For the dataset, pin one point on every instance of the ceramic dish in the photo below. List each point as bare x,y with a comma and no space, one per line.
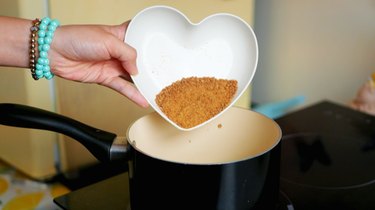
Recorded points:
170,47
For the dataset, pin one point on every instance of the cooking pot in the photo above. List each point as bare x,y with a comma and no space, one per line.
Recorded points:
225,164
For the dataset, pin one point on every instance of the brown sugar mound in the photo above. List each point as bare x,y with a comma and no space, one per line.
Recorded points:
194,100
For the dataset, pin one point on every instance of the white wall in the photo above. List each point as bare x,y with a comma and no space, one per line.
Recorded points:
323,49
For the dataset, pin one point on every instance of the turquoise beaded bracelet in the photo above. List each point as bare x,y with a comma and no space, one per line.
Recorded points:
46,31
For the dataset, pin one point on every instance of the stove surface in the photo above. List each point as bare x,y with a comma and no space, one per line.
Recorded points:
328,154
327,162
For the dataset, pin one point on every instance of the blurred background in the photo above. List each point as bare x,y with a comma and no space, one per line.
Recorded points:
319,49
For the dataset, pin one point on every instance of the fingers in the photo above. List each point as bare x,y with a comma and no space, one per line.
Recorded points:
127,89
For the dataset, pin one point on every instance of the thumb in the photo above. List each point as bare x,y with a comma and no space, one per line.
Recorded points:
124,53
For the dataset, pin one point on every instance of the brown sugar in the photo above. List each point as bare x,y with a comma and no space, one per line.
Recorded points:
191,101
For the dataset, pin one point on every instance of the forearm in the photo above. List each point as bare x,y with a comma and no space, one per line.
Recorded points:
15,42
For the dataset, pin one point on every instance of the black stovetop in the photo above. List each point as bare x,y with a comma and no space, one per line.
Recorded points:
327,162
328,158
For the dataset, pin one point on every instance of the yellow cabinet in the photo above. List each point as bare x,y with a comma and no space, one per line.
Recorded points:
93,104
31,151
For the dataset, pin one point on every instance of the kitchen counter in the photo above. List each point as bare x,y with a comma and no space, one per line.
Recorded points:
18,191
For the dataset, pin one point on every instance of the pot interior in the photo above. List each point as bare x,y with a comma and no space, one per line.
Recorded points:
238,134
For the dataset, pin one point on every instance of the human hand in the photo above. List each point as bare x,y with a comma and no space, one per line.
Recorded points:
365,98
96,54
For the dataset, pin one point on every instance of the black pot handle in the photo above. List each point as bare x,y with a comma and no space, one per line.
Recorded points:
98,142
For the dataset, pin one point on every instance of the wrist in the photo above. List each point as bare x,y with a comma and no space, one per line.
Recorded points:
15,38
47,28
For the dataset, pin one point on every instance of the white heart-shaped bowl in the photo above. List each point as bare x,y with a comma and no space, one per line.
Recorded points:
170,47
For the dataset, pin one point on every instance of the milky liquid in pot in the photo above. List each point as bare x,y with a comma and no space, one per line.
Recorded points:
236,135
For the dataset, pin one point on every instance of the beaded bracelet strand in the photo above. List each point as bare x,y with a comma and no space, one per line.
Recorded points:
46,32
34,29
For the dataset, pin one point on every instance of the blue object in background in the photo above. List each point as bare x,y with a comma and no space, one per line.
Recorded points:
277,109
